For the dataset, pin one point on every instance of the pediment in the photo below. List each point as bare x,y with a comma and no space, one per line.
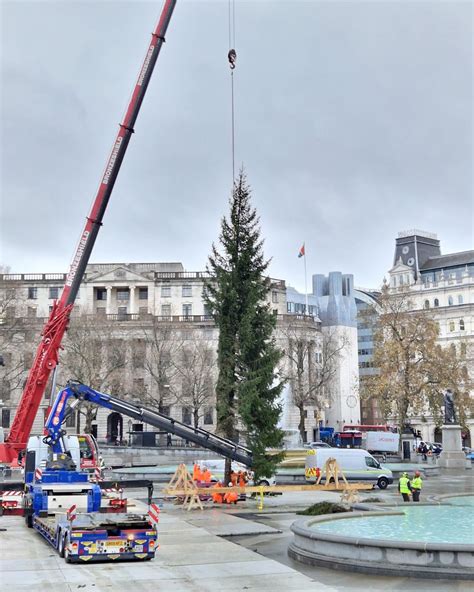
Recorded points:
119,274
400,267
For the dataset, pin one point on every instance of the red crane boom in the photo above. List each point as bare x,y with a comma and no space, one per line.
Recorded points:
47,353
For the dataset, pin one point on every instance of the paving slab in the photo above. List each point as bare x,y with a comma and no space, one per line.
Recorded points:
224,524
190,558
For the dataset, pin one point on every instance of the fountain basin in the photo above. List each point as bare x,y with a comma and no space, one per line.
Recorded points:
384,542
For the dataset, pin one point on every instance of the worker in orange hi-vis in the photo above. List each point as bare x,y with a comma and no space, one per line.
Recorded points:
231,497
241,479
233,478
196,472
218,498
206,475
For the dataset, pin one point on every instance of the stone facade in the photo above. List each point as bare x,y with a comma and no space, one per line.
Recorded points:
443,284
128,312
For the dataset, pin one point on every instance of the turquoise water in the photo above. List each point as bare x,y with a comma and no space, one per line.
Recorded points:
462,500
424,524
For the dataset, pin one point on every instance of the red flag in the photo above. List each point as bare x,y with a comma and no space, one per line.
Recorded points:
301,253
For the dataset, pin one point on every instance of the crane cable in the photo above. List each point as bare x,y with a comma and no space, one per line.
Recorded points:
232,57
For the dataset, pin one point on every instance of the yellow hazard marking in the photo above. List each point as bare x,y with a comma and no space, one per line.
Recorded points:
310,452
85,557
141,555
116,556
76,535
140,541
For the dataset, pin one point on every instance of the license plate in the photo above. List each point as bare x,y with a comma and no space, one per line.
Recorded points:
138,548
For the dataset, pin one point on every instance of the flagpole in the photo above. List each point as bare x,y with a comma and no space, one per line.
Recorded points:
305,282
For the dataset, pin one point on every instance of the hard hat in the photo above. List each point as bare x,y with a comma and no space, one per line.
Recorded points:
405,474
230,484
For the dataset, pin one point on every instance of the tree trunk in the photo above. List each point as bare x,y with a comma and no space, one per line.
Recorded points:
196,417
301,424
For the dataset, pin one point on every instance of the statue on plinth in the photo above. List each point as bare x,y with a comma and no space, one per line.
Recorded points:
449,413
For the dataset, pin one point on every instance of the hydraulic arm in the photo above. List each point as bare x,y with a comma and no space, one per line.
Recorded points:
47,353
74,393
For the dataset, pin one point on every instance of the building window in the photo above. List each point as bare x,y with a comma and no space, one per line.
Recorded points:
123,294
50,308
32,293
187,310
165,410
461,325
460,299
122,313
143,310
100,294
166,310
436,302
207,312
53,293
208,416
452,326
31,312
100,311
5,418
450,300
166,291
289,307
427,303
275,297
142,293
187,291
186,415
400,280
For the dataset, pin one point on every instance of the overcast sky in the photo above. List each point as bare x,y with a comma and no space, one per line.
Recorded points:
353,122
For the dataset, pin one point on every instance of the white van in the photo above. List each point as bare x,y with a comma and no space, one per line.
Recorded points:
356,464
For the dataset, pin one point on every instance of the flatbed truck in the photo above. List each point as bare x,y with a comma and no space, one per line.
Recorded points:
64,507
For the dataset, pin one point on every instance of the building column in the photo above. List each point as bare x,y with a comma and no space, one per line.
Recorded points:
132,300
108,306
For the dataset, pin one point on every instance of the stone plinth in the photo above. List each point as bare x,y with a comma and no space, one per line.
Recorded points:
452,456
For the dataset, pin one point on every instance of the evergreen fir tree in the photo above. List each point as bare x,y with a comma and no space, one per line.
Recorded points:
247,387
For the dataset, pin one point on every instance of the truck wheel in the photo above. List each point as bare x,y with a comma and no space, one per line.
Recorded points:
382,482
29,520
61,538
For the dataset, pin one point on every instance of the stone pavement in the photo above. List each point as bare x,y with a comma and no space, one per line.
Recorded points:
190,558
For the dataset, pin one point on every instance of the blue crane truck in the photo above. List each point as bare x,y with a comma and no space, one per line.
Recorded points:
66,508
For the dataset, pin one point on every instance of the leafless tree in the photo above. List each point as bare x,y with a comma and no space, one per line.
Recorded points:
312,361
194,370
162,344
93,358
14,361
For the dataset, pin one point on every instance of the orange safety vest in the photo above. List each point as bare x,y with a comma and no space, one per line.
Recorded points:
233,478
218,498
206,476
231,497
196,473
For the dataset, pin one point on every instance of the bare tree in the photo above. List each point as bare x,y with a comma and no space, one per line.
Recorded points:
312,360
162,345
194,370
93,358
14,361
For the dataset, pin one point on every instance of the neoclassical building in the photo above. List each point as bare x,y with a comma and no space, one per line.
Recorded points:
139,330
442,283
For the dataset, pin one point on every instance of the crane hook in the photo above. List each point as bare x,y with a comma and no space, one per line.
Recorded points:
232,57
